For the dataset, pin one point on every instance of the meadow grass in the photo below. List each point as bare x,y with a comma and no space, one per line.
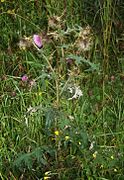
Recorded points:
61,106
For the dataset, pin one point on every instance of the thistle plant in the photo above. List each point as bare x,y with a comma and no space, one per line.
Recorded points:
61,90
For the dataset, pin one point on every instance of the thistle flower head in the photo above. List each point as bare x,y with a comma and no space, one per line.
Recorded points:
37,41
24,78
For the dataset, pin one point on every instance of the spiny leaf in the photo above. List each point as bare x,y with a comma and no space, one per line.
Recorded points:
79,60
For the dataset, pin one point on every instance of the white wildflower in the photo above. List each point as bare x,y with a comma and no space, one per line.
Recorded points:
26,120
71,117
92,145
31,110
70,89
77,92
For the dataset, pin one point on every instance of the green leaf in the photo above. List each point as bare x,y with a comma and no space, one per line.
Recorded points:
51,115
79,60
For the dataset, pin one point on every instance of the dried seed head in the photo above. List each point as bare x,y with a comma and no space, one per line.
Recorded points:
25,43
85,39
54,22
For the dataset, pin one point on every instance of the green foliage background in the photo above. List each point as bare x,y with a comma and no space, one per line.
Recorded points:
43,135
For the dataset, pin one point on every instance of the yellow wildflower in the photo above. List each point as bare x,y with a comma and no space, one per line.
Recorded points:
67,138
39,93
79,143
53,139
115,170
46,177
56,133
11,11
112,157
94,154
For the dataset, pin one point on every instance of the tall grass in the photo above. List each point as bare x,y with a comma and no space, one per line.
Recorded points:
66,120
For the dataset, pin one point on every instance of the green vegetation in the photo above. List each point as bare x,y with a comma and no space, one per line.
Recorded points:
62,105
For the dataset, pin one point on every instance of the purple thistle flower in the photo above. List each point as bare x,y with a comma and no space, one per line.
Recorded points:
24,78
37,41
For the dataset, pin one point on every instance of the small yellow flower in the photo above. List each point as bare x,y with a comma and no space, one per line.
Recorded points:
79,143
47,173
46,177
2,0
94,154
53,139
112,157
11,11
40,93
115,170
67,138
56,133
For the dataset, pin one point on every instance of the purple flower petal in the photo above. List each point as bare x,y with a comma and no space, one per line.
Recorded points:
37,41
24,78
